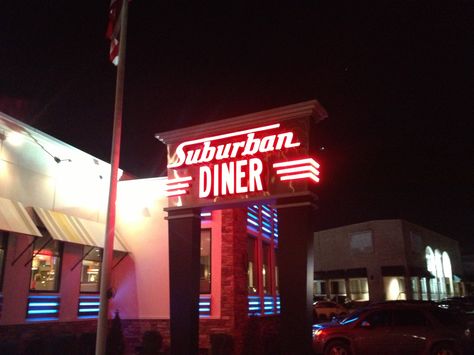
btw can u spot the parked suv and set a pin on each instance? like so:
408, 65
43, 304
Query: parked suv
394, 328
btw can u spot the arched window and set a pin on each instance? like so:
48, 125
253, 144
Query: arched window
430, 260
431, 266
448, 274
440, 274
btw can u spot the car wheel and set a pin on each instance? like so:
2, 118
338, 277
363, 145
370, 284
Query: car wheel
443, 349
337, 347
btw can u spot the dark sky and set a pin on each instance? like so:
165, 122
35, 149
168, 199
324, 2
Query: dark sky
395, 77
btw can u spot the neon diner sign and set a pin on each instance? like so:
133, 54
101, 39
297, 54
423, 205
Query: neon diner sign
229, 163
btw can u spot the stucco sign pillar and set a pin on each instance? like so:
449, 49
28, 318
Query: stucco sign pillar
260, 158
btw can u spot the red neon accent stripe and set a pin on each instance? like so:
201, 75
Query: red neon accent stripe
297, 162
179, 179
297, 170
300, 176
176, 186
175, 193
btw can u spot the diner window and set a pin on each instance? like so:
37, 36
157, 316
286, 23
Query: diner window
205, 271
3, 252
45, 265
252, 276
262, 266
266, 273
91, 265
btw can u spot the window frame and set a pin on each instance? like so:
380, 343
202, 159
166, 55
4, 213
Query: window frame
261, 237
210, 260
59, 274
100, 269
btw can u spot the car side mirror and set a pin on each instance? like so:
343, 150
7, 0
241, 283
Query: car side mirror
365, 324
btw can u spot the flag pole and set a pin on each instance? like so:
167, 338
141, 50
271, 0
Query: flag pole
105, 279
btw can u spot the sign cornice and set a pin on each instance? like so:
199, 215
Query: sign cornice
311, 109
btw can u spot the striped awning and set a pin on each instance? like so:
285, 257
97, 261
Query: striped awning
15, 218
76, 230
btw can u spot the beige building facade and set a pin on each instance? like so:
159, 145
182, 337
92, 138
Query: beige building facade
385, 260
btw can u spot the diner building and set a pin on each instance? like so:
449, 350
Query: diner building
53, 200
385, 260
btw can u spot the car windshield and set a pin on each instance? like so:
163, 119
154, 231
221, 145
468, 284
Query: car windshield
352, 317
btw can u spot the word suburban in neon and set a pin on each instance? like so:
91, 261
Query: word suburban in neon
248, 145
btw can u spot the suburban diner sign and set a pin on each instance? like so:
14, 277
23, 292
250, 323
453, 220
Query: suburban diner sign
253, 161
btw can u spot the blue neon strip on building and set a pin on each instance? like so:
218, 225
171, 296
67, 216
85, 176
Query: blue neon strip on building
40, 305
85, 303
44, 304
43, 311
204, 306
89, 303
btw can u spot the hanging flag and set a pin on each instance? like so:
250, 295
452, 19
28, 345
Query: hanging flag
113, 30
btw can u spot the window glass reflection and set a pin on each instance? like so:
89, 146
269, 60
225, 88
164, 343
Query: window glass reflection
45, 265
205, 271
90, 273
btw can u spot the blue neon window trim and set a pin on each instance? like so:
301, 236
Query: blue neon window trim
89, 303
43, 304
41, 297
251, 215
42, 319
266, 208
84, 310
42, 311
204, 309
252, 222
267, 230
267, 224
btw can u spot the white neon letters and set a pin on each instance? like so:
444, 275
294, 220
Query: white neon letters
223, 179
250, 145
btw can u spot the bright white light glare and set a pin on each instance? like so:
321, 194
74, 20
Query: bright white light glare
14, 138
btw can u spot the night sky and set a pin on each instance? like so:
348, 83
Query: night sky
395, 77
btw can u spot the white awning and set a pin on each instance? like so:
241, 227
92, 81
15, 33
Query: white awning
15, 218
76, 230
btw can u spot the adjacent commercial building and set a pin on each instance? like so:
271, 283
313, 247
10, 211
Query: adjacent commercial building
386, 260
